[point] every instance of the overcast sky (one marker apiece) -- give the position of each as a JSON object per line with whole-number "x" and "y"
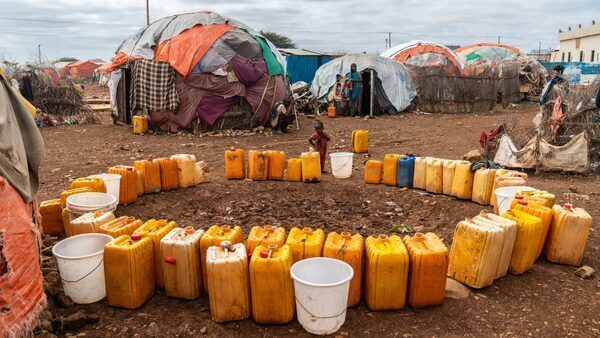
{"x": 93, "y": 29}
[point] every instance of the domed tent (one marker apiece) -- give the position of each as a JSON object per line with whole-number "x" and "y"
{"x": 417, "y": 53}
{"x": 393, "y": 86}
{"x": 490, "y": 52}
{"x": 202, "y": 65}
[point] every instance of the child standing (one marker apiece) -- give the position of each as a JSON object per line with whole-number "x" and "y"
{"x": 319, "y": 140}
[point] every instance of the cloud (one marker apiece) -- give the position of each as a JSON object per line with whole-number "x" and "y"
{"x": 94, "y": 29}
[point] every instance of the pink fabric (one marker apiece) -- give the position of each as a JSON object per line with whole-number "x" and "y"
{"x": 212, "y": 107}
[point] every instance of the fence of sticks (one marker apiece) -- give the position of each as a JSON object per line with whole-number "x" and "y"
{"x": 61, "y": 104}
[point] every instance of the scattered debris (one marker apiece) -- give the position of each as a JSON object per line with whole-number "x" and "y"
{"x": 403, "y": 229}
{"x": 585, "y": 272}
{"x": 456, "y": 290}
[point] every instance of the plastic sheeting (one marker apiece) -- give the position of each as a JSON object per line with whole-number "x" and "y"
{"x": 491, "y": 52}
{"x": 405, "y": 51}
{"x": 229, "y": 45}
{"x": 140, "y": 44}
{"x": 395, "y": 79}
{"x": 573, "y": 156}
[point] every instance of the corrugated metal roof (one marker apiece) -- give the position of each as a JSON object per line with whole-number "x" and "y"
{"x": 306, "y": 52}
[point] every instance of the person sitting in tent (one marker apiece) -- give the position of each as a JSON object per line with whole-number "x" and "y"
{"x": 354, "y": 90}
{"x": 281, "y": 116}
{"x": 337, "y": 96}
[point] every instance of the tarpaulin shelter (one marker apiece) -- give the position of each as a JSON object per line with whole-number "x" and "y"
{"x": 22, "y": 295}
{"x": 201, "y": 65}
{"x": 79, "y": 69}
{"x": 394, "y": 90}
{"x": 488, "y": 51}
{"x": 302, "y": 64}
{"x": 418, "y": 53}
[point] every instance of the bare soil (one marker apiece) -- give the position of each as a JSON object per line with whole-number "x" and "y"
{"x": 549, "y": 300}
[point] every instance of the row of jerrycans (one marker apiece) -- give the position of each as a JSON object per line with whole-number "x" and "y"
{"x": 488, "y": 246}
{"x": 271, "y": 165}
{"x": 153, "y": 175}
{"x": 449, "y": 177}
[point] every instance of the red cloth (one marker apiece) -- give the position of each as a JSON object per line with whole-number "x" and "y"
{"x": 22, "y": 296}
{"x": 486, "y": 140}
{"x": 320, "y": 145}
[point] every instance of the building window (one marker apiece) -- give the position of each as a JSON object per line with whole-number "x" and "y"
{"x": 569, "y": 57}
{"x": 581, "y": 56}
{"x": 592, "y": 57}
{"x": 577, "y": 43}
{"x": 563, "y": 57}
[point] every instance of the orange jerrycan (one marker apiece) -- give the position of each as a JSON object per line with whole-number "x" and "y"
{"x": 373, "y": 172}
{"x": 94, "y": 183}
{"x": 276, "y": 161}
{"x": 52, "y": 222}
{"x": 124, "y": 225}
{"x": 331, "y": 112}
{"x": 568, "y": 235}
{"x": 510, "y": 233}
{"x": 271, "y": 285}
{"x": 529, "y": 232}
{"x": 348, "y": 249}
{"x": 427, "y": 269}
{"x": 540, "y": 211}
{"x": 420, "y": 173}
{"x": 234, "y": 164}
{"x": 186, "y": 169}
{"x": 448, "y": 176}
{"x": 462, "y": 182}
{"x": 294, "y": 170}
{"x": 258, "y": 165}
{"x": 311, "y": 166}
{"x": 169, "y": 180}
{"x": 265, "y": 235}
{"x": 69, "y": 192}
{"x": 90, "y": 222}
{"x": 128, "y": 188}
{"x": 140, "y": 124}
{"x": 228, "y": 282}
{"x": 386, "y": 272}
{"x": 390, "y": 168}
{"x": 129, "y": 271}
{"x": 305, "y": 243}
{"x": 360, "y": 141}
{"x": 214, "y": 236}
{"x": 150, "y": 171}
{"x": 434, "y": 175}
{"x": 475, "y": 253}
{"x": 156, "y": 230}
{"x": 483, "y": 182}
{"x": 180, "y": 256}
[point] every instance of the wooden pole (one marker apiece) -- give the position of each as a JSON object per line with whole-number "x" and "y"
{"x": 147, "y": 13}
{"x": 372, "y": 96}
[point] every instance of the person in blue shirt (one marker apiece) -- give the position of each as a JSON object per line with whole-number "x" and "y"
{"x": 354, "y": 90}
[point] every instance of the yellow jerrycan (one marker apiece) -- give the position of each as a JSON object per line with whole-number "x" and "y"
{"x": 305, "y": 243}
{"x": 348, "y": 248}
{"x": 568, "y": 235}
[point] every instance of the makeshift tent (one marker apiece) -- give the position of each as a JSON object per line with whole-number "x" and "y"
{"x": 393, "y": 86}
{"x": 79, "y": 69}
{"x": 31, "y": 108}
{"x": 417, "y": 53}
{"x": 199, "y": 65}
{"x": 491, "y": 52}
{"x": 22, "y": 297}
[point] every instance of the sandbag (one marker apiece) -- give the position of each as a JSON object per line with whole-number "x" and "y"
{"x": 22, "y": 296}
{"x": 573, "y": 156}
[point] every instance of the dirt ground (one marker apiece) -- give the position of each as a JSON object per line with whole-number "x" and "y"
{"x": 547, "y": 301}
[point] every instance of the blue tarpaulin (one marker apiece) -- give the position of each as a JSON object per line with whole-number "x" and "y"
{"x": 304, "y": 67}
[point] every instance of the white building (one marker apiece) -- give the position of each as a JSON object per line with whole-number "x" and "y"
{"x": 580, "y": 44}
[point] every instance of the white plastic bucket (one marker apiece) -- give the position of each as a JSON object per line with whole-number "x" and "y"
{"x": 85, "y": 202}
{"x": 80, "y": 265}
{"x": 112, "y": 182}
{"x": 341, "y": 164}
{"x": 321, "y": 286}
{"x": 505, "y": 195}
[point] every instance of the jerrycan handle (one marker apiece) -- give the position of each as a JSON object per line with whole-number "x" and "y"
{"x": 227, "y": 246}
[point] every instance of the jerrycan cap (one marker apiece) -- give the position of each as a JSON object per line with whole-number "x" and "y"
{"x": 136, "y": 237}
{"x": 170, "y": 260}
{"x": 307, "y": 230}
{"x": 264, "y": 253}
{"x": 346, "y": 235}
{"x": 419, "y": 236}
{"x": 519, "y": 197}
{"x": 521, "y": 202}
{"x": 226, "y": 245}
{"x": 225, "y": 228}
{"x": 568, "y": 206}
{"x": 189, "y": 230}
{"x": 129, "y": 169}
{"x": 382, "y": 237}
{"x": 269, "y": 228}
